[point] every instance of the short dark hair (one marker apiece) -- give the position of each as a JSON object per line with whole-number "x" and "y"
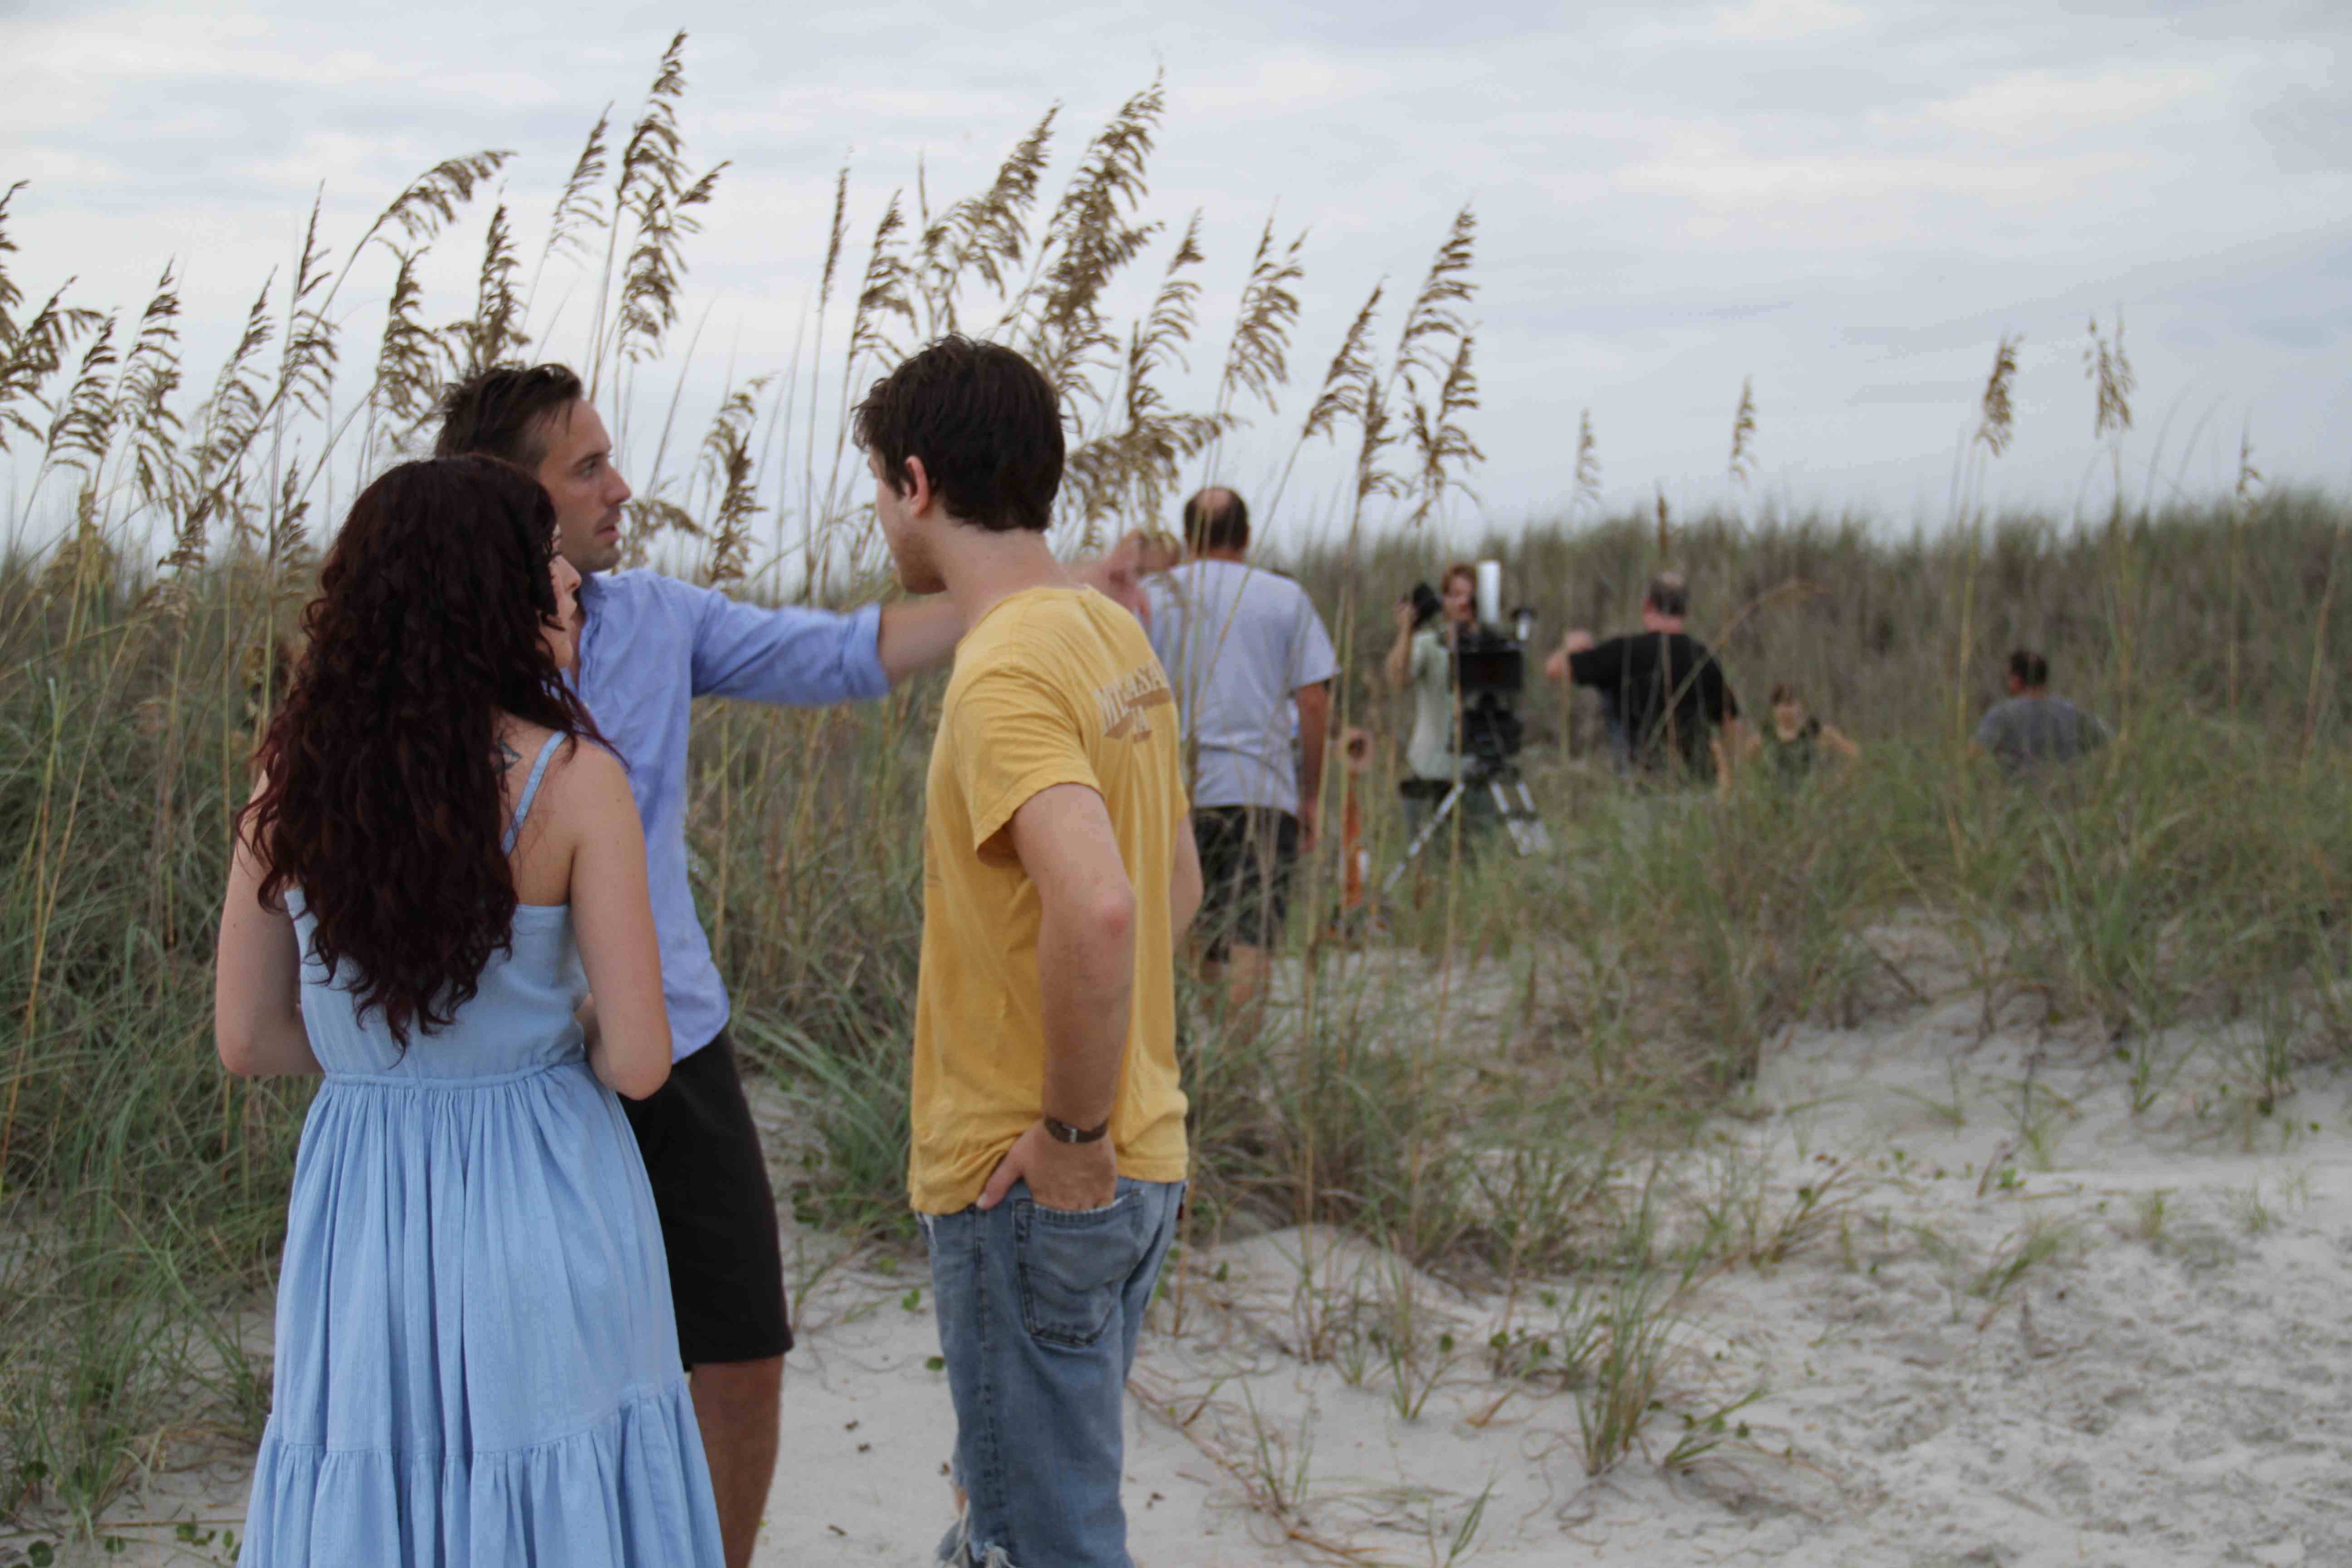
{"x": 505, "y": 413}
{"x": 984, "y": 421}
{"x": 2029, "y": 668}
{"x": 1216, "y": 518}
{"x": 1668, "y": 594}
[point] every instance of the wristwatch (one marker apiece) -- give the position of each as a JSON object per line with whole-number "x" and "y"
{"x": 1063, "y": 1132}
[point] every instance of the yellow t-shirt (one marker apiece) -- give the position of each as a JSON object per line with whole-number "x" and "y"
{"x": 1052, "y": 686}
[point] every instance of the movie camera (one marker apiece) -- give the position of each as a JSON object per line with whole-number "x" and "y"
{"x": 1490, "y": 671}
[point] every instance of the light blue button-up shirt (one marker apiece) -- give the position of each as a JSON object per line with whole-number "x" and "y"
{"x": 649, "y": 645}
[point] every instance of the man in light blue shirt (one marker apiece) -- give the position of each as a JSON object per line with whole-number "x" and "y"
{"x": 1249, "y": 659}
{"x": 649, "y": 645}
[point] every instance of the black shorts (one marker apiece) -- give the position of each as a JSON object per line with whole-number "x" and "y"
{"x": 717, "y": 1211}
{"x": 1246, "y": 854}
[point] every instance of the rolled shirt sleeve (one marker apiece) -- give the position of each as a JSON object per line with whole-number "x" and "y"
{"x": 797, "y": 656}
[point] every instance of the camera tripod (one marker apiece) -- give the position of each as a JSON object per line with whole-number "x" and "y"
{"x": 1514, "y": 807}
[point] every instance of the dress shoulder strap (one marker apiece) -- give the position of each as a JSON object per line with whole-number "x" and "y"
{"x": 530, "y": 793}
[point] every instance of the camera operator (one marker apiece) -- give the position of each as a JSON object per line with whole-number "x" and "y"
{"x": 1661, "y": 689}
{"x": 1429, "y": 626}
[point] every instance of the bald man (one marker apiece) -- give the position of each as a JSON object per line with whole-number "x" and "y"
{"x": 1242, "y": 645}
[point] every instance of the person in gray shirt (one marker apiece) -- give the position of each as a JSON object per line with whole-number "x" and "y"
{"x": 1242, "y": 645}
{"x": 2030, "y": 728}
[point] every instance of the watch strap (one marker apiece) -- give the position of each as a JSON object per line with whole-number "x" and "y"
{"x": 1063, "y": 1132}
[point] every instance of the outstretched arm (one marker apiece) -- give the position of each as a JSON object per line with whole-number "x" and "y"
{"x": 809, "y": 658}
{"x": 1561, "y": 664}
{"x": 796, "y": 655}
{"x": 915, "y": 634}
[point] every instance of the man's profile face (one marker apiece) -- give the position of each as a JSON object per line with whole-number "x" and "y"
{"x": 578, "y": 472}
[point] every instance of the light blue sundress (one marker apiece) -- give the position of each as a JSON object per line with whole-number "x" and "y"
{"x": 476, "y": 1364}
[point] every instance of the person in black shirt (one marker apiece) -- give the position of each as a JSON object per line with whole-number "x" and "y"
{"x": 1662, "y": 689}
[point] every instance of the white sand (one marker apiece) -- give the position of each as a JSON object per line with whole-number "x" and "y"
{"x": 2151, "y": 1394}
{"x": 2131, "y": 1400}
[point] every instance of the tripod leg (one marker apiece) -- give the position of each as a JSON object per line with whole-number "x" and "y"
{"x": 1428, "y": 831}
{"x": 1537, "y": 833}
{"x": 1513, "y": 822}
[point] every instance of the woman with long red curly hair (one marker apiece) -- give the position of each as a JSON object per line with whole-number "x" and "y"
{"x": 476, "y": 1358}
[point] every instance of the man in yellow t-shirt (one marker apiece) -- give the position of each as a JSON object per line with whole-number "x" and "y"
{"x": 1048, "y": 1161}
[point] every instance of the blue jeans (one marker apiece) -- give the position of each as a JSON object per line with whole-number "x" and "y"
{"x": 1039, "y": 1310}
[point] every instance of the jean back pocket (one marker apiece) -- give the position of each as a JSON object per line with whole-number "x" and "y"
{"x": 1074, "y": 1266}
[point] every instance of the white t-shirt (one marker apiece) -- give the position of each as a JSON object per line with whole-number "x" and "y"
{"x": 1237, "y": 643}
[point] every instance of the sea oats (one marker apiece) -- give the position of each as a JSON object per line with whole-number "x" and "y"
{"x": 142, "y": 392}
{"x": 1743, "y": 434}
{"x": 1587, "y": 466}
{"x": 2109, "y": 370}
{"x": 727, "y": 471}
{"x": 1444, "y": 446}
{"x": 493, "y": 333}
{"x": 1996, "y": 418}
{"x": 1090, "y": 237}
{"x": 984, "y": 234}
{"x": 409, "y": 360}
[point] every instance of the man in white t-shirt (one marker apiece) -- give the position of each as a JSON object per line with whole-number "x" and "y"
{"x": 1241, "y": 645}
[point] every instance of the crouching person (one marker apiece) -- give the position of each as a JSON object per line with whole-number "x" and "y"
{"x": 1048, "y": 1155}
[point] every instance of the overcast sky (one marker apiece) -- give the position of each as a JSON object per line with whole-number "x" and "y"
{"x": 1849, "y": 203}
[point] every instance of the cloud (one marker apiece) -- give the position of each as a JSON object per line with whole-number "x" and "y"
{"x": 1761, "y": 20}
{"x": 2310, "y": 129}
{"x": 1849, "y": 203}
